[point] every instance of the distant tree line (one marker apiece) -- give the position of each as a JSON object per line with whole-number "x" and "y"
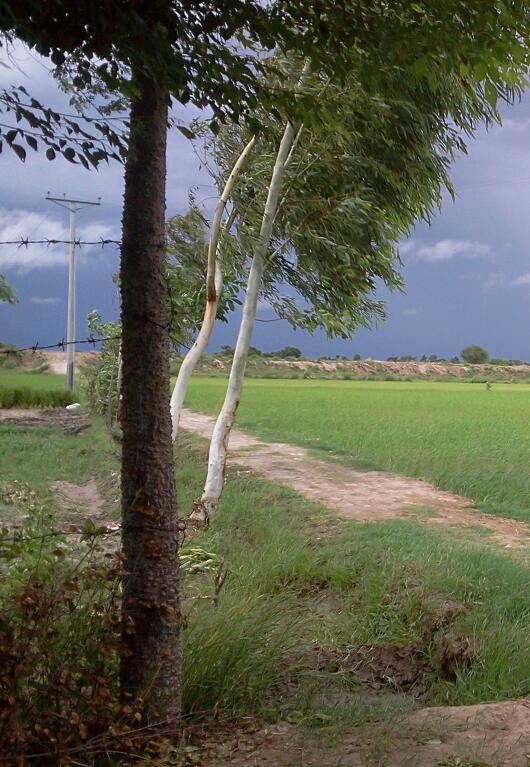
{"x": 288, "y": 352}
{"x": 473, "y": 355}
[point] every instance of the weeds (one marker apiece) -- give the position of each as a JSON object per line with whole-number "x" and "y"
{"x": 58, "y": 644}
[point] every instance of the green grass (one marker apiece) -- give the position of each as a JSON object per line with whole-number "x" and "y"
{"x": 460, "y": 437}
{"x": 39, "y": 455}
{"x": 25, "y": 397}
{"x": 35, "y": 390}
{"x": 382, "y": 581}
{"x": 282, "y": 556}
{"x": 36, "y": 381}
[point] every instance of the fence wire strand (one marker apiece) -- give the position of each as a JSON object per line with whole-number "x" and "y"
{"x": 24, "y": 242}
{"x": 62, "y": 344}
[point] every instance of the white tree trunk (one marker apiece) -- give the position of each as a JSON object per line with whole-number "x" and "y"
{"x": 205, "y": 508}
{"x": 214, "y": 286}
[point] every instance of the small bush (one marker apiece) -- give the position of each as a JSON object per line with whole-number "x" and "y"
{"x": 25, "y": 397}
{"x": 59, "y": 641}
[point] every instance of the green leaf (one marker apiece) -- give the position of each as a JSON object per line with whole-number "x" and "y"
{"x": 491, "y": 94}
{"x": 19, "y": 151}
{"x": 89, "y": 527}
{"x": 50, "y": 154}
{"x": 32, "y": 142}
{"x": 186, "y": 132}
{"x": 69, "y": 154}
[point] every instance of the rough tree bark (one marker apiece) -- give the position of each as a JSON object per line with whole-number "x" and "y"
{"x": 205, "y": 508}
{"x": 214, "y": 285}
{"x": 150, "y": 662}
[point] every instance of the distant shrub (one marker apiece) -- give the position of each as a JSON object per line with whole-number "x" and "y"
{"x": 288, "y": 351}
{"x": 347, "y": 377}
{"x": 475, "y": 355}
{"x": 42, "y": 368}
{"x": 10, "y": 356}
{"x": 356, "y": 357}
{"x": 174, "y": 367}
{"x": 25, "y": 397}
{"x": 507, "y": 363}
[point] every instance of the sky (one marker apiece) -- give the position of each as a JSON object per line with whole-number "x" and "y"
{"x": 467, "y": 276}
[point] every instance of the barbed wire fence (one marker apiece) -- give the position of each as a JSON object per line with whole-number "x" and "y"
{"x": 62, "y": 344}
{"x": 24, "y": 242}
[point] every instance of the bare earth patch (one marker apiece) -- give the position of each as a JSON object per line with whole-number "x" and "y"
{"x": 85, "y": 499}
{"x": 486, "y": 735}
{"x": 371, "y": 496}
{"x": 69, "y": 421}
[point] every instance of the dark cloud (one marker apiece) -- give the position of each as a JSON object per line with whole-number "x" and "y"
{"x": 467, "y": 276}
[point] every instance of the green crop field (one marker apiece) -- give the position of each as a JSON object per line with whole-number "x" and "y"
{"x": 34, "y": 381}
{"x": 461, "y": 437}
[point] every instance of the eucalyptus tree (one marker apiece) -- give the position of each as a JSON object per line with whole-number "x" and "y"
{"x": 187, "y": 275}
{"x": 341, "y": 191}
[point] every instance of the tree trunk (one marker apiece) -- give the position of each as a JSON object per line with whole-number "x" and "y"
{"x": 150, "y": 661}
{"x": 206, "y": 506}
{"x": 214, "y": 285}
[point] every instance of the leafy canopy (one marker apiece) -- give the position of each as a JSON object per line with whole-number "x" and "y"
{"x": 475, "y": 355}
{"x": 7, "y": 294}
{"x": 365, "y": 167}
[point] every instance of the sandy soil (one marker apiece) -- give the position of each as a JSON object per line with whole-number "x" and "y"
{"x": 370, "y": 496}
{"x": 83, "y": 498}
{"x": 487, "y": 735}
{"x": 57, "y": 360}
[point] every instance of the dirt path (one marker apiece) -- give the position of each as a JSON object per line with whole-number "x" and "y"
{"x": 486, "y": 735}
{"x": 369, "y": 496}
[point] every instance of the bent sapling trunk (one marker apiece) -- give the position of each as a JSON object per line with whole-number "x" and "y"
{"x": 205, "y": 508}
{"x": 214, "y": 285}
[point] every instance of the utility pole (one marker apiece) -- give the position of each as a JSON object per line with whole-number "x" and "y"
{"x": 73, "y": 206}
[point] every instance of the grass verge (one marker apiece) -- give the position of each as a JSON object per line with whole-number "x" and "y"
{"x": 316, "y": 582}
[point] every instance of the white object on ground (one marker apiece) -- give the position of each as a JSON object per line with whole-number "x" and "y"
{"x": 74, "y": 406}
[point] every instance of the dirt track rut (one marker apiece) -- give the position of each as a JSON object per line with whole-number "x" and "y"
{"x": 369, "y": 496}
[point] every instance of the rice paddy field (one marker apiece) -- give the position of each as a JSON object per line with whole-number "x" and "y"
{"x": 462, "y": 437}
{"x": 35, "y": 381}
